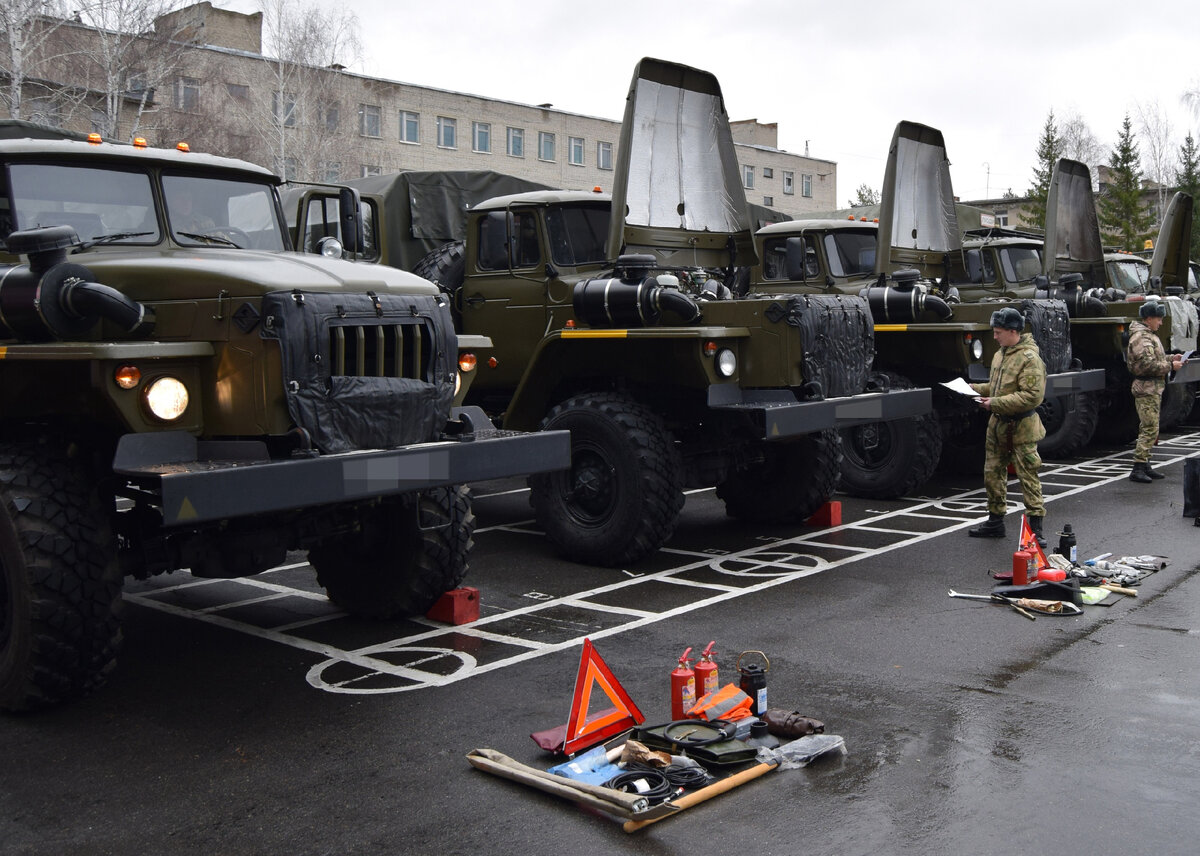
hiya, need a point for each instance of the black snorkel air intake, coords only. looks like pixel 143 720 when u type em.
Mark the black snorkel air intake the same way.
pixel 1081 302
pixel 51 298
pixel 632 297
pixel 904 300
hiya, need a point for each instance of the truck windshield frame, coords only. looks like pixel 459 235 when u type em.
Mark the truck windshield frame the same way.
pixel 98 202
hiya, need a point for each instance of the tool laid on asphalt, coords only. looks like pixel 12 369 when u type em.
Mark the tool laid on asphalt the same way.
pixel 1024 604
pixel 753 680
pixel 995 598
pixel 1132 592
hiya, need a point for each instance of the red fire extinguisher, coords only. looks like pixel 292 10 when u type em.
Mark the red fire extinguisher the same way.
pixel 683 687
pixel 706 671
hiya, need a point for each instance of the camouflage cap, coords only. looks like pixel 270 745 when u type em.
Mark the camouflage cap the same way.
pixel 1152 309
pixel 1008 318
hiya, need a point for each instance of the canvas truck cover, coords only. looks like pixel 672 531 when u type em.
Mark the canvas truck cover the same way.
pixel 422 210
pixel 677 170
pixel 1072 228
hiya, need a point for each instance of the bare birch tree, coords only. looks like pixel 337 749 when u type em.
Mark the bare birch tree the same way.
pixel 25 28
pixel 1158 152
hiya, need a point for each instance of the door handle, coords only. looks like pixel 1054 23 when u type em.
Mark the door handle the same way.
pixel 475 299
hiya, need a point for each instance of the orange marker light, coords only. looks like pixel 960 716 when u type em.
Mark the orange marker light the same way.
pixel 140 143
pixel 493 362
pixel 95 138
pixel 710 348
pixel 183 147
pixel 127 377
pixel 466 362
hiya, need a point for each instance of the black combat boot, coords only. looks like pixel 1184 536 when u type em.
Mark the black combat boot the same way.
pixel 993 527
pixel 1035 523
pixel 1153 473
pixel 1139 473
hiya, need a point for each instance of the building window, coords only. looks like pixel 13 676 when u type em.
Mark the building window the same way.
pixel 287 168
pixel 237 91
pixel 575 151
pixel 805 184
pixel 370 120
pixel 447 130
pixel 545 146
pixel 99 121
pixel 1002 219
pixel 410 127
pixel 768 201
pixel 283 107
pixel 371 169
pixel 187 94
pixel 789 183
pixel 331 171
pixel 604 156
pixel 515 142
pixel 748 177
pixel 481 137
pixel 330 117
pixel 768 172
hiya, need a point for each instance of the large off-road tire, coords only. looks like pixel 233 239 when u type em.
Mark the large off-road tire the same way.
pixel 1070 423
pixel 794 479
pixel 60 585
pixel 408 553
pixel 446 267
pixel 1177 402
pixel 620 500
pixel 884 460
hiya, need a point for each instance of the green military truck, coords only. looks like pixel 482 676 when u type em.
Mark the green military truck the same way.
pixel 180 390
pixel 930 327
pixel 624 330
pixel 1077 269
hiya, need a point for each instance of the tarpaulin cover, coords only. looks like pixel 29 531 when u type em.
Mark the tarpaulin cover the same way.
pixel 422 210
pixel 838 337
pixel 344 412
pixel 1050 326
pixel 1185 323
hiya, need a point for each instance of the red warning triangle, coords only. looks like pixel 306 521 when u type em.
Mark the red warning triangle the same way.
pixel 1028 541
pixel 583 729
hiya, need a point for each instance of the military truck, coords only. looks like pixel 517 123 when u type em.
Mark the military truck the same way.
pixel 179 390
pixel 910 267
pixel 1077 268
pixel 612 316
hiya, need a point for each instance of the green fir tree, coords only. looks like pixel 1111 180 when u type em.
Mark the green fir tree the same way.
pixel 1049 150
pixel 1120 205
pixel 1187 179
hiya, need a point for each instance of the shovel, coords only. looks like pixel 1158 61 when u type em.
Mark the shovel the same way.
pixel 995 598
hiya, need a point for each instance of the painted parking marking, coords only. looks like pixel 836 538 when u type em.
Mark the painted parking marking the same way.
pixel 436 654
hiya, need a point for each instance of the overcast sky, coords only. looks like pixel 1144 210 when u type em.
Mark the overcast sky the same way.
pixel 835 76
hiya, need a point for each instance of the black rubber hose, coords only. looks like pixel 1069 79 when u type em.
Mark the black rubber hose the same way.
pixel 91 299
pixel 677 303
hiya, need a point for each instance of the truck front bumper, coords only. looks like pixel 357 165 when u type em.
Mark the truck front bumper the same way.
pixel 778 415
pixel 196 481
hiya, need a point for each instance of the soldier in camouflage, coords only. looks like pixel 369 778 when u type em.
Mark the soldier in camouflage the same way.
pixel 1149 365
pixel 1014 389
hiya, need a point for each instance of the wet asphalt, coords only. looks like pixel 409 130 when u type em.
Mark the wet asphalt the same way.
pixel 968 728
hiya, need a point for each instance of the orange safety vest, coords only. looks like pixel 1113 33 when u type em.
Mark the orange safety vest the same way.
pixel 728 703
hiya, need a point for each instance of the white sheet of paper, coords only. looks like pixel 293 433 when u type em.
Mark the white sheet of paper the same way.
pixel 960 386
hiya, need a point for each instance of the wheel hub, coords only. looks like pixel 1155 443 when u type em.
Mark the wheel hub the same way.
pixel 592 485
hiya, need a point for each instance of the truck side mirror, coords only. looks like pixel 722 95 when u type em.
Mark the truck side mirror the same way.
pixel 350 213
pixel 795 259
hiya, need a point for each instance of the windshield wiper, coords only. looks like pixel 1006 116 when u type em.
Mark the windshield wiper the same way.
pixel 108 239
pixel 211 239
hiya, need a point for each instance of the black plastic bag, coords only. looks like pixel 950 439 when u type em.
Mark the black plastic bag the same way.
pixel 1191 488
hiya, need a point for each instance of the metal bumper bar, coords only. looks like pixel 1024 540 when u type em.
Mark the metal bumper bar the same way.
pixel 198 482
pixel 1066 383
pixel 779 415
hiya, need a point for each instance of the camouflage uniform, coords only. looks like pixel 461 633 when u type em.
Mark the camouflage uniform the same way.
pixel 1016 386
pixel 1149 365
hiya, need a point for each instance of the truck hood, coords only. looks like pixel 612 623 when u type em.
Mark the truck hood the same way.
pixel 1072 227
pixel 677 177
pixel 918 223
pixel 179 274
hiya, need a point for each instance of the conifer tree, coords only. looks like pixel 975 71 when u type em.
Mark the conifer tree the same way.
pixel 1187 179
pixel 1120 205
pixel 1049 150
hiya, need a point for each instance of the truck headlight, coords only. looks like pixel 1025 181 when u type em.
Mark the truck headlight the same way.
pixel 726 362
pixel 330 247
pixel 166 398
pixel 977 348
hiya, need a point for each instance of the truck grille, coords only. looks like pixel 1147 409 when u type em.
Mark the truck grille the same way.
pixel 381 350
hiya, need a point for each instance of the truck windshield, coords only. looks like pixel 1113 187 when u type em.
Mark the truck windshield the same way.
pixel 1020 264
pixel 850 253
pixel 1129 275
pixel 578 233
pixel 98 203
pixel 211 211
